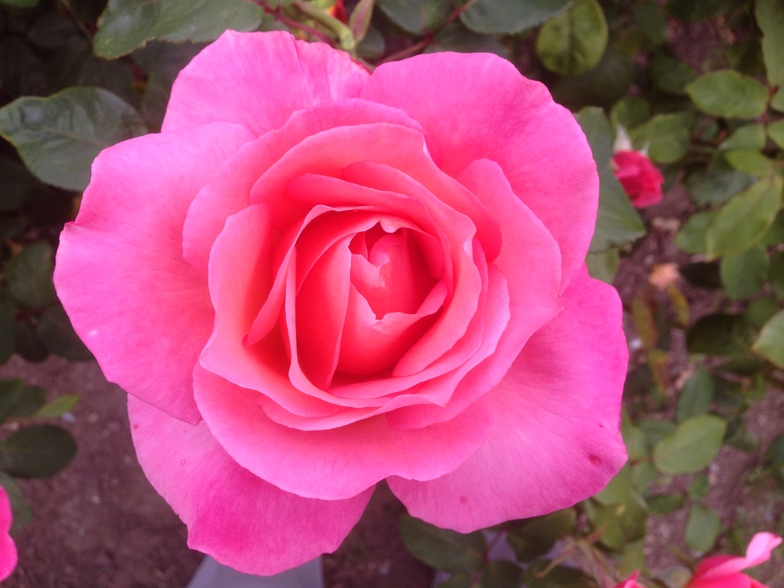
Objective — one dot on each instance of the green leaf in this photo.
(770, 18)
(574, 41)
(504, 17)
(443, 549)
(604, 265)
(775, 452)
(7, 329)
(750, 162)
(57, 407)
(744, 274)
(455, 37)
(557, 577)
(532, 538)
(699, 487)
(501, 574)
(718, 334)
(663, 504)
(745, 219)
(126, 25)
(29, 275)
(630, 112)
(58, 137)
(416, 16)
(37, 452)
(759, 311)
(56, 331)
(602, 85)
(28, 343)
(618, 222)
(643, 475)
(691, 447)
(748, 137)
(666, 136)
(729, 94)
(10, 392)
(777, 102)
(777, 273)
(633, 438)
(776, 132)
(716, 186)
(618, 490)
(622, 523)
(770, 342)
(702, 528)
(670, 74)
(648, 17)
(691, 237)
(775, 234)
(28, 401)
(697, 394)
(17, 184)
(655, 430)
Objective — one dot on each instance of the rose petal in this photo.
(541, 149)
(337, 463)
(229, 189)
(555, 437)
(259, 80)
(239, 519)
(529, 260)
(711, 570)
(107, 255)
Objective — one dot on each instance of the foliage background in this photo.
(698, 85)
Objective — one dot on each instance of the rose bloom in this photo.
(723, 571)
(8, 555)
(641, 180)
(316, 278)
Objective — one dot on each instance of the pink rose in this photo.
(723, 571)
(8, 555)
(639, 177)
(316, 278)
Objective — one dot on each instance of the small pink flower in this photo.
(639, 177)
(723, 571)
(8, 554)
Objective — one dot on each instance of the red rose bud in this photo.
(639, 177)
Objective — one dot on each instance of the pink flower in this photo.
(8, 556)
(316, 278)
(723, 571)
(639, 177)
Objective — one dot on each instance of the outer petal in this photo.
(337, 463)
(239, 519)
(259, 80)
(555, 439)
(8, 555)
(122, 260)
(537, 143)
(721, 570)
